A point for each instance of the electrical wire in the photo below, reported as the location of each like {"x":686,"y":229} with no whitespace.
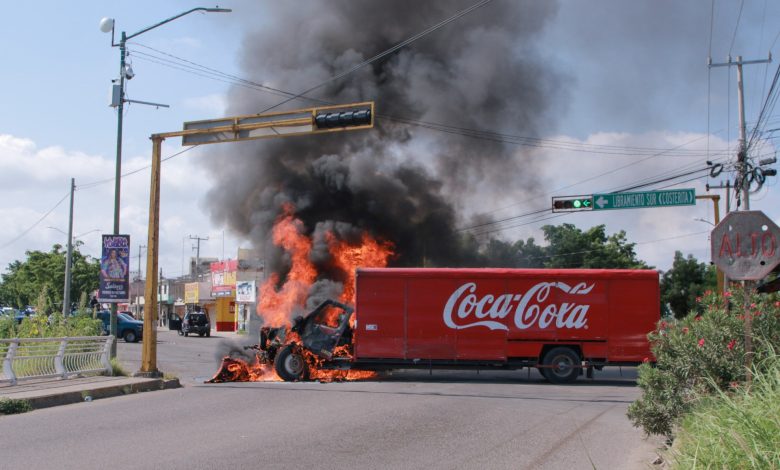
{"x":383,"y":54}
{"x":193,"y":67}
{"x":137,"y":170}
{"x":28,"y":229}
{"x":739,"y":17}
{"x":214,"y":74}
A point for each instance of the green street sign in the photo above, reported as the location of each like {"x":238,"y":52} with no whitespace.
{"x":670,"y":198}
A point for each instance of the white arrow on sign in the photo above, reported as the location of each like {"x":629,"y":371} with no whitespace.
{"x":601,"y":202}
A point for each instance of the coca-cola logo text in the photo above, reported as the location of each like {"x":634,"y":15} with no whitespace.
{"x":465,"y":310}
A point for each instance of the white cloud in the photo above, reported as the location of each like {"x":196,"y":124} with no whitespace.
{"x":34,"y":179}
{"x":209,"y":105}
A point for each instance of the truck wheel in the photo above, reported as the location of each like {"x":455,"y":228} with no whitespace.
{"x":562,"y":365}
{"x":130,"y":336}
{"x":290,"y":365}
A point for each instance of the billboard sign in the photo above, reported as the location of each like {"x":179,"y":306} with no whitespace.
{"x":223,"y":278}
{"x":191,"y":293}
{"x":245,"y":292}
{"x":114,"y":271}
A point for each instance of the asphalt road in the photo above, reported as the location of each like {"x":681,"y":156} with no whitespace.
{"x":407,"y":420}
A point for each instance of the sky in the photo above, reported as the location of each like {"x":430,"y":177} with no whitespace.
{"x":627,"y":75}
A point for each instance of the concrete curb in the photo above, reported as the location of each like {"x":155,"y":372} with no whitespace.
{"x":96,"y":391}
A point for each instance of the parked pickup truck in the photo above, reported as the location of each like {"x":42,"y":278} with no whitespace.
{"x":127,"y":327}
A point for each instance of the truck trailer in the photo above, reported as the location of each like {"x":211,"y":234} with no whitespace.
{"x":565,"y":322}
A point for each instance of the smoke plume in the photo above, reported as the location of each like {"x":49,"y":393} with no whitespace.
{"x":402,"y":183}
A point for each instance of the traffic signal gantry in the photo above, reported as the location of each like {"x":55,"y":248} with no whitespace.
{"x":347,"y":117}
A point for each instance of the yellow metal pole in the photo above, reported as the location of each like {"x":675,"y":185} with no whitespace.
{"x":149,"y":350}
{"x":716,"y":207}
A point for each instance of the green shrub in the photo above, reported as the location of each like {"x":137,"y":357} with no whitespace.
{"x":117,"y":369}
{"x":737,"y":429}
{"x":9,"y":406}
{"x":7,"y":326}
{"x":56,"y":325}
{"x":701,"y":355}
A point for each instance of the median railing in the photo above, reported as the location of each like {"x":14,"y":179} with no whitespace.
{"x":37,"y":358}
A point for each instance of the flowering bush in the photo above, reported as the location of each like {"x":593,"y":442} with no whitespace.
{"x":701,"y":354}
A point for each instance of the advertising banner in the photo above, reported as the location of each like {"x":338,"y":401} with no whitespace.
{"x":191,"y":293}
{"x":245,"y":292}
{"x":223,"y":278}
{"x":114,"y":272}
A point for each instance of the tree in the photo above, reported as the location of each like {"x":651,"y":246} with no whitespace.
{"x":687,"y":280}
{"x":24,"y":280}
{"x":570,"y":247}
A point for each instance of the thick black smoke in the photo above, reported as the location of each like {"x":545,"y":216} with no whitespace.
{"x":403,"y":183}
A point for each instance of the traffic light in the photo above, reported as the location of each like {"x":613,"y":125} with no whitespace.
{"x":572,"y":203}
{"x":353,"y":118}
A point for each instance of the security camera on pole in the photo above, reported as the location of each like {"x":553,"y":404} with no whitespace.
{"x":118,"y":100}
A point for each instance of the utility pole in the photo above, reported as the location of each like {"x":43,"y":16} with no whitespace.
{"x":742,"y":160}
{"x":159,"y":300}
{"x":744,"y":185}
{"x":137,"y":293}
{"x":69,"y":256}
{"x":715,"y":198}
{"x":197,"y":255}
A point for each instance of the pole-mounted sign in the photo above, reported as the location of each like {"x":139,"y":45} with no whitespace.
{"x":636,"y":200}
{"x":745,"y":245}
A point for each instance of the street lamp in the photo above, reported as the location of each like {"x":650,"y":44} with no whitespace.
{"x":106,"y":25}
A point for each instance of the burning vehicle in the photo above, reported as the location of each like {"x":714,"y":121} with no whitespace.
{"x":322,"y":335}
{"x":561,"y":321}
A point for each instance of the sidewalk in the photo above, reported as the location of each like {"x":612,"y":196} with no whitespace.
{"x":55,"y":392}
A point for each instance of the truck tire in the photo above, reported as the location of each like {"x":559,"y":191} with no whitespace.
{"x":290,"y":364}
{"x":562,"y":365}
{"x":130,"y":336}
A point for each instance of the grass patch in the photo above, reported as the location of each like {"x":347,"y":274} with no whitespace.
{"x":739,"y":429}
{"x":117,"y":369}
{"x":9,"y":406}
{"x":169,"y":376}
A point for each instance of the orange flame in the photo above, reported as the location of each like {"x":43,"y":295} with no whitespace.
{"x":238,"y":370}
{"x":276,"y":306}
{"x":370,"y":253}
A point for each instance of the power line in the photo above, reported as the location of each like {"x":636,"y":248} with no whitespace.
{"x":739,"y":17}
{"x":137,"y":170}
{"x":383,"y":54}
{"x":211,"y":73}
{"x":27,"y":230}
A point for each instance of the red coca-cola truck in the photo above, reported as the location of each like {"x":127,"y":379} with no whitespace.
{"x":562,"y":321}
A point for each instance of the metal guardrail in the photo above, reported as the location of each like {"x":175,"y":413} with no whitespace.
{"x":38,"y":358}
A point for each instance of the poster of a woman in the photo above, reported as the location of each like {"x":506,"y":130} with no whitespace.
{"x":114,"y":269}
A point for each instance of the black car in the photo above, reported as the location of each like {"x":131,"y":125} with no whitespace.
{"x":196,"y":323}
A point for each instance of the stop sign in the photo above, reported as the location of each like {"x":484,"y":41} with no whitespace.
{"x":745,"y":245}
